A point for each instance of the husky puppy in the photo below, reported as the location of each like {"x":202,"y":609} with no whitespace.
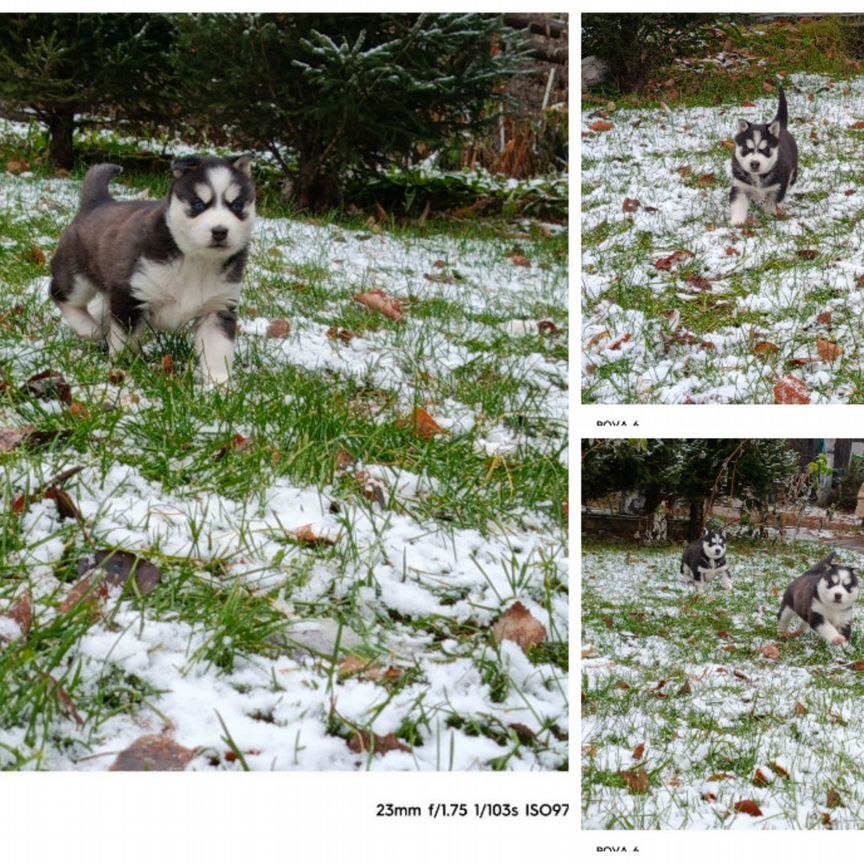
{"x":764,"y":164}
{"x":123,"y":268}
{"x":705,"y":560}
{"x":823,"y":598}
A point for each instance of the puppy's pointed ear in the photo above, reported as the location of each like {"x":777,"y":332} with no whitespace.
{"x":242,"y":163}
{"x":743,"y":126}
{"x":774,"y":128}
{"x":185,"y":163}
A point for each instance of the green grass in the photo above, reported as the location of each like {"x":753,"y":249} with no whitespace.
{"x":139,"y":430}
{"x":684,"y":675}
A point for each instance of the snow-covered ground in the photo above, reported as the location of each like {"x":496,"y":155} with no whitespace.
{"x":680,"y":307}
{"x":420,"y":593}
{"x":692,"y":706}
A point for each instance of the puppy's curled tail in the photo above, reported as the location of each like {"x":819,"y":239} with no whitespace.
{"x":782,"y":110}
{"x":94,"y":190}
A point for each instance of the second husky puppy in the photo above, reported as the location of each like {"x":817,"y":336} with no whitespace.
{"x":823,"y":598}
{"x":705,"y":560}
{"x":764,"y":164}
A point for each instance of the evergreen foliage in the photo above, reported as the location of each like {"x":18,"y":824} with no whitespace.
{"x":65,"y":65}
{"x":329,"y":94}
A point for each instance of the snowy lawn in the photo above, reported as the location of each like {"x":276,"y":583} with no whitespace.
{"x":331,"y":562}
{"x":680,"y":307}
{"x":692,"y":707}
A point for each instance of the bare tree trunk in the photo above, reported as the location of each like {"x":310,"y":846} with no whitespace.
{"x":61,"y":149}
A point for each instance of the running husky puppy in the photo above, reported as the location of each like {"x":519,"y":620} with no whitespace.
{"x":823,"y":598}
{"x":764,"y":164}
{"x":123,"y":268}
{"x":705,"y":560}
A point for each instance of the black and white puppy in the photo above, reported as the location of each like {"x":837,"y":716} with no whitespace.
{"x":764,"y":164}
{"x":705,"y":560}
{"x":125,"y":267}
{"x":823,"y":598}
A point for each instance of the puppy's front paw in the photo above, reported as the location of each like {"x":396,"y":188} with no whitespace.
{"x":839,"y":640}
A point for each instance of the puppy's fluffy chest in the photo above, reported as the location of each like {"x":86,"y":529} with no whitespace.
{"x":175,"y":292}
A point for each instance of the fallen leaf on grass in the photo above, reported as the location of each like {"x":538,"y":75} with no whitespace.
{"x":707,"y":180}
{"x":153,"y":753}
{"x":364,"y":742}
{"x":87,"y":591}
{"x":761,"y":778}
{"x":602,"y":126}
{"x":379,"y":301}
{"x":639,"y":751}
{"x":779,"y":770}
{"x":858,"y":125}
{"x":770,"y":652}
{"x":238,"y":444}
{"x":833,"y":799}
{"x":740,"y":675}
{"x":17,"y":166}
{"x":670,"y":260}
{"x":11,"y":438}
{"x":616,"y":345}
{"x":699,"y":282}
{"x":828,"y":351}
{"x":799,"y":709}
{"x":638,"y":782}
{"x":597,"y":338}
{"x":791,"y":391}
{"x":631,"y":205}
{"x":66,"y":506}
{"x":22,"y":614}
{"x":423,"y":424}
{"x":548,"y":327}
{"x":119,"y":567}
{"x":825,"y":318}
{"x":520,"y":260}
{"x":278,"y":329}
{"x":49,"y":385}
{"x":306,"y":536}
{"x":808,"y":254}
{"x":518,"y":625}
{"x":340,"y":334}
{"x":751,"y":808}
{"x":765,"y":348}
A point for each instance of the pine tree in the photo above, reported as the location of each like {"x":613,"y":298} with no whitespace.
{"x":329,"y":94}
{"x":66,"y":68}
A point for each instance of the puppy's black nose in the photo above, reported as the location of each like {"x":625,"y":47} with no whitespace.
{"x":219,"y":233}
{"x":838,"y":597}
{"x":754,"y":166}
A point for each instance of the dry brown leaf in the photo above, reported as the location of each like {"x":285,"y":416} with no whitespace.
{"x":11,"y":438}
{"x":707,"y":180}
{"x":699,"y":282}
{"x":278,"y":329}
{"x":799,"y":709}
{"x":66,"y":506}
{"x":518,"y":625}
{"x":858,"y":125}
{"x":520,"y":260}
{"x":422,"y":423}
{"x":22,"y":613}
{"x":382,"y":303}
{"x":363,"y":742}
{"x":833,"y":799}
{"x":670,"y":260}
{"x":639,"y":751}
{"x":153,"y":753}
{"x":238,"y":444}
{"x":638,"y":782}
{"x":828,"y":351}
{"x":779,"y":770}
{"x":17,"y":166}
{"x":751,"y":808}
{"x":761,"y":778}
{"x":119,"y":566}
{"x":631,"y":205}
{"x":340,"y":334}
{"x":825,"y":318}
{"x":602,"y":126}
{"x":548,"y":327}
{"x":770,"y":652}
{"x":86,"y":591}
{"x":616,"y":345}
{"x":49,"y":385}
{"x":808,"y":254}
{"x":306,"y":536}
{"x":597,"y":338}
{"x":791,"y":391}
{"x":765,"y":348}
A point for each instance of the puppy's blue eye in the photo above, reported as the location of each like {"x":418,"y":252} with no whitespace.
{"x":197,"y":205}
{"x":236,"y":206}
